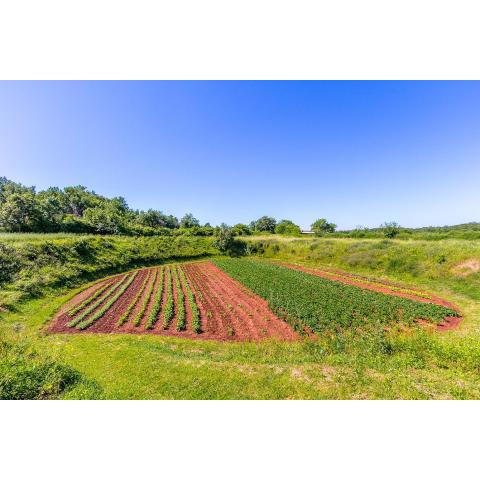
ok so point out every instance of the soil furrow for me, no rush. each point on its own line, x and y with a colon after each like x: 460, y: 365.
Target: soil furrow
x: 108, y: 322
x: 128, y: 326
x: 228, y: 311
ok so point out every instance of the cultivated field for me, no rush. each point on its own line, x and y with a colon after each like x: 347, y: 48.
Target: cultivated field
x: 230, y: 299
x: 194, y: 300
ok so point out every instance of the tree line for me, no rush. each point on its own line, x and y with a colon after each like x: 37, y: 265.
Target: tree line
x: 76, y: 209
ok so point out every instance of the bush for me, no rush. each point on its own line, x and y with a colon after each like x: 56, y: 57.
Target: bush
x: 225, y: 242
x: 390, y: 229
x: 24, y: 375
x: 10, y: 263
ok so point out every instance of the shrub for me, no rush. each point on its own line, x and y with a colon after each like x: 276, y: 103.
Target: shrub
x: 10, y: 263
x: 390, y: 229
x: 24, y: 375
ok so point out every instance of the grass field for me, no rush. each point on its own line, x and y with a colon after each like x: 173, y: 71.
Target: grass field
x: 375, y: 364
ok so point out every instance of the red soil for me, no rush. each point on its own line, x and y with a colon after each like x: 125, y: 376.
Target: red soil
x: 357, y: 281
x: 228, y: 310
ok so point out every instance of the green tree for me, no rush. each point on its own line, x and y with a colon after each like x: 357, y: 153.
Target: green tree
x: 241, y: 229
x: 264, y: 224
x: 321, y: 227
x: 105, y: 219
x: 287, y: 227
x: 225, y: 242
x: 152, y: 218
x: 53, y: 206
x: 189, y: 221
x: 19, y: 213
x: 78, y: 199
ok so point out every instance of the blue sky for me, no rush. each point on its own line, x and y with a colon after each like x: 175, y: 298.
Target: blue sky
x: 357, y: 153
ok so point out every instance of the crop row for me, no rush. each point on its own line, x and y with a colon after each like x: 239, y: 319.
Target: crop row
x: 181, y: 314
x: 364, y: 281
x: 322, y: 304
x: 93, y: 306
x: 196, y: 325
x: 125, y: 316
x: 138, y: 317
x: 168, y: 311
x: 157, y: 303
x: 89, y: 300
x: 164, y: 292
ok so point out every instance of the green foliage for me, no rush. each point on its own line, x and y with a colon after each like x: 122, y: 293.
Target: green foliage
x: 19, y: 213
x: 78, y: 210
x: 196, y: 324
x: 106, y: 219
x: 264, y: 224
x: 189, y: 221
x: 181, y: 314
x: 10, y: 263
x: 26, y: 375
x: 104, y: 308
x: 138, y: 318
x: 157, y: 219
x: 225, y: 242
x: 321, y: 227
x: 157, y: 302
x: 390, y: 229
x: 325, y: 305
x: 89, y: 300
x: 287, y: 227
x: 168, y: 311
x: 241, y: 229
x: 33, y: 264
x: 123, y: 319
x: 93, y: 306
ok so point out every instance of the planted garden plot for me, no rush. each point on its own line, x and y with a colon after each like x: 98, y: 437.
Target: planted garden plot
x: 195, y: 300
x: 322, y: 304
x: 235, y: 299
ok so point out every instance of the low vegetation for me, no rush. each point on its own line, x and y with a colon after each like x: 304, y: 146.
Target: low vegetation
x: 152, y: 279
x: 196, y: 323
x: 157, y: 302
x: 168, y: 311
x: 325, y: 305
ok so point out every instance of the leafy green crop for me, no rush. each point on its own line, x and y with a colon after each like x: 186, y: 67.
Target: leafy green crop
x: 89, y: 300
x: 139, y: 316
x: 168, y: 311
x: 95, y: 305
x: 326, y: 305
x: 181, y: 320
x: 123, y: 319
x: 157, y: 303
x: 196, y: 323
x: 101, y: 312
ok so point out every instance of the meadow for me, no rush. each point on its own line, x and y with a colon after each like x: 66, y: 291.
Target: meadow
x: 416, y: 362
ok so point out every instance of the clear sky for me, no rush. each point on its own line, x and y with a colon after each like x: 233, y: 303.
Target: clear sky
x: 357, y: 153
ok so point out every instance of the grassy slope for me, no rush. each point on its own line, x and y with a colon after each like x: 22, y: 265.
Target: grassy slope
x: 419, y: 365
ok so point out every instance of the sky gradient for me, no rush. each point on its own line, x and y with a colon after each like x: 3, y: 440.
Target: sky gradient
x: 357, y: 153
